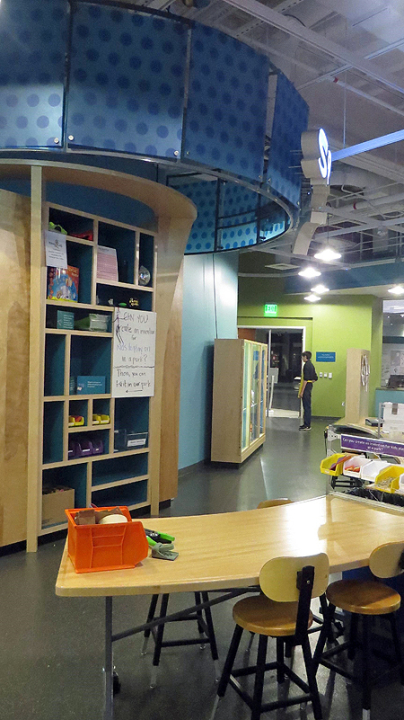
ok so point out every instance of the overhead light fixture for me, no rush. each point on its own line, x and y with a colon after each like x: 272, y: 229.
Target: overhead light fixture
x: 320, y: 289
x: 312, y: 298
x: 397, y: 290
x: 309, y: 272
x: 327, y: 255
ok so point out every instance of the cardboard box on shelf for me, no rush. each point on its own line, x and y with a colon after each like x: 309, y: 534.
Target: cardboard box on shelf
x: 55, y: 500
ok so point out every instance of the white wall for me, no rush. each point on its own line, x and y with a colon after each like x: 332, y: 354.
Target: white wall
x: 209, y: 311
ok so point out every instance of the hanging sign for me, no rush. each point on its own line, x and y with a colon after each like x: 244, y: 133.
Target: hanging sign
x: 134, y: 351
x: 317, y: 159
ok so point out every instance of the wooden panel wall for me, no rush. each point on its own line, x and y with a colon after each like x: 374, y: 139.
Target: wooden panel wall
x: 14, y: 364
x: 170, y: 407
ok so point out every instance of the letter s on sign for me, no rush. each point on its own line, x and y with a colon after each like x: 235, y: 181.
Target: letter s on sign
x: 325, y: 156
x: 317, y: 160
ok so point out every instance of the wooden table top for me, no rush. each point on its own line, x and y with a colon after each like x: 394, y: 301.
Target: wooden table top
x: 227, y: 550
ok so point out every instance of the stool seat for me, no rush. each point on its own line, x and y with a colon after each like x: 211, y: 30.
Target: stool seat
x: 363, y: 597
x: 263, y: 616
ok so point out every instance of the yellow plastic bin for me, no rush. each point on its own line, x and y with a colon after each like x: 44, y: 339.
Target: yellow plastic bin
x: 388, y: 480
x: 333, y: 464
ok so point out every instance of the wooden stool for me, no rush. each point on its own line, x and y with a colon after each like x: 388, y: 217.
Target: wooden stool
x: 283, y: 612
x: 205, y: 628
x: 364, y: 599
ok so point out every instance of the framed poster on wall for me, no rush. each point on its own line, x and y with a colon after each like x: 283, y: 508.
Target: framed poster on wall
x: 134, y: 350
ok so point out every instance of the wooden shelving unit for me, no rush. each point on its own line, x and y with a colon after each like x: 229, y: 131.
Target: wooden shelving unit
x: 109, y: 477
x: 239, y: 399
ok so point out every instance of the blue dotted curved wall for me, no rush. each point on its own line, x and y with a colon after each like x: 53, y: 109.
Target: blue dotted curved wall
x: 291, y: 118
x: 33, y: 38
x: 126, y: 82
x: 130, y: 82
x: 237, y: 214
x: 227, y: 104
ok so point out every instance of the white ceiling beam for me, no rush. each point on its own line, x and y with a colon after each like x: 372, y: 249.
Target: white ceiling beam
x: 293, y: 28
x: 370, y: 56
x: 372, y: 98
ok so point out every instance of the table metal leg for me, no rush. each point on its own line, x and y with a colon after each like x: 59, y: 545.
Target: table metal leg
x: 109, y: 694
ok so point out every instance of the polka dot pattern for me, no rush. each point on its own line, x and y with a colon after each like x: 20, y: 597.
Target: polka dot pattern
x: 33, y: 39
x: 291, y: 118
x: 126, y: 81
x: 202, y: 235
x: 226, y: 114
x: 237, y: 231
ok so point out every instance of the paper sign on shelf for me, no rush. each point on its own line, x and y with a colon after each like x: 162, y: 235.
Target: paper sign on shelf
x: 55, y: 249
x: 134, y: 350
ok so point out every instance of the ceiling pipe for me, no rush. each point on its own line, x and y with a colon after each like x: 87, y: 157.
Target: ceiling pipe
x: 293, y: 28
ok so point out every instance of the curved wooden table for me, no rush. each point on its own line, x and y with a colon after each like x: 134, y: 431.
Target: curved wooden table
x: 224, y: 551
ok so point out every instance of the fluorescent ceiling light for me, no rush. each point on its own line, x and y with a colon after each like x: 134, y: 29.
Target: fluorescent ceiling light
x: 312, y: 298
x: 327, y: 255
x: 309, y: 272
x: 397, y: 290
x: 320, y: 289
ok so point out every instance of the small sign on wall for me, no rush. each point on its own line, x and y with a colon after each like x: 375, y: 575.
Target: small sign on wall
x: 270, y: 310
x: 325, y: 356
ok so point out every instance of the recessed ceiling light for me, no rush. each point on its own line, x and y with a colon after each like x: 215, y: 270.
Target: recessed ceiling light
x: 312, y: 298
x: 320, y: 289
x: 327, y: 255
x: 309, y: 272
x: 397, y: 290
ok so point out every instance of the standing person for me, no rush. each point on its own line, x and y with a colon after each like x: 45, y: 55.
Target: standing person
x: 306, y: 387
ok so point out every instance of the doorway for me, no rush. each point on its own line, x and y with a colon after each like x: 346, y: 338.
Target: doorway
x: 285, y: 347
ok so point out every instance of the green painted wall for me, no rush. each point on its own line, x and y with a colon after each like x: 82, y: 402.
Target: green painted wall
x: 332, y: 325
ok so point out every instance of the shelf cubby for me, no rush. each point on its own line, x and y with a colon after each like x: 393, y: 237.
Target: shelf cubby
x: 132, y: 414
x: 146, y: 255
x: 101, y: 406
x: 53, y: 432
x: 131, y: 494
x: 79, y: 314
x: 81, y: 257
x: 79, y: 407
x: 72, y: 477
x: 123, y: 240
x: 70, y: 221
x: 118, y: 469
x: 92, y: 434
x: 90, y: 355
x: 121, y: 293
x: 55, y: 348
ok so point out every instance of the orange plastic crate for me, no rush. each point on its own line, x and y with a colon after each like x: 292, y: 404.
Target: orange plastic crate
x: 93, y: 548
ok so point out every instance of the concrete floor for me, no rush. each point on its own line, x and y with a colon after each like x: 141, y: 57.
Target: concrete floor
x: 51, y: 649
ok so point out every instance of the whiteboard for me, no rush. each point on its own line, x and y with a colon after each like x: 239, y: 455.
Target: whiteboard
x: 134, y: 351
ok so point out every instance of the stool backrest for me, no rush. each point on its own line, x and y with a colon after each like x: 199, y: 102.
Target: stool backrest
x: 387, y: 560
x: 273, y: 503
x: 278, y: 577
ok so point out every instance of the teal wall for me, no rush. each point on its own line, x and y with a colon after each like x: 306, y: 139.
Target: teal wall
x: 209, y: 311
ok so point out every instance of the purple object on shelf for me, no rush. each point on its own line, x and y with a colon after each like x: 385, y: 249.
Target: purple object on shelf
x: 97, y: 446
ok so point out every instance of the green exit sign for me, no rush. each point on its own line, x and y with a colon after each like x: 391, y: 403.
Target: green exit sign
x: 270, y: 310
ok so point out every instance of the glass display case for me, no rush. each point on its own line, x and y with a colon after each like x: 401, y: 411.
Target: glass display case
x: 239, y: 399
